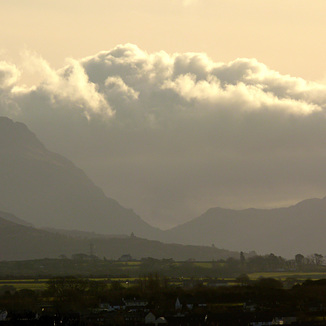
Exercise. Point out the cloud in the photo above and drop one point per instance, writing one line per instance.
(67, 86)
(171, 135)
(9, 75)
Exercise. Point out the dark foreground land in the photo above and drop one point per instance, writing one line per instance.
(160, 300)
(260, 290)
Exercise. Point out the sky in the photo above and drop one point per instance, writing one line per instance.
(174, 106)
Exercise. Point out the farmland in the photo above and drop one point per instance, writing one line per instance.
(40, 284)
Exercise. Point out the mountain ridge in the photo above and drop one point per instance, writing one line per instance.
(48, 190)
(284, 230)
(19, 242)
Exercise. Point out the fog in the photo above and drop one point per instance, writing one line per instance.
(171, 135)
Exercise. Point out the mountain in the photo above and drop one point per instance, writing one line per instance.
(13, 218)
(83, 234)
(19, 242)
(283, 231)
(48, 190)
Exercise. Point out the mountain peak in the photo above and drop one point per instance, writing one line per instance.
(48, 190)
(16, 136)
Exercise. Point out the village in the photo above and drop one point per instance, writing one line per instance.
(154, 300)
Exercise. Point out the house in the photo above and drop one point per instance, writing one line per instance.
(284, 321)
(106, 306)
(135, 303)
(133, 317)
(126, 257)
(261, 323)
(116, 305)
(178, 305)
(150, 318)
(3, 315)
(160, 321)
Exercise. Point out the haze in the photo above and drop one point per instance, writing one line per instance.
(173, 107)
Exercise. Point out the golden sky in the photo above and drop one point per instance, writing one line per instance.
(286, 35)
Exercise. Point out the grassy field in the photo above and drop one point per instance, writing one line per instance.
(40, 284)
(35, 285)
(204, 264)
(285, 275)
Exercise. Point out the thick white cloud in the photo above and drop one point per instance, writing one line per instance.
(172, 135)
(67, 86)
(9, 74)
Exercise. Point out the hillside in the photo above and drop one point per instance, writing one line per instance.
(19, 242)
(283, 231)
(48, 190)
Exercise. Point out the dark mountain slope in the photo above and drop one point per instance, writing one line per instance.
(19, 242)
(285, 231)
(48, 190)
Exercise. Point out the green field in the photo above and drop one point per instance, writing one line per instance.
(40, 284)
(285, 275)
(35, 285)
(204, 264)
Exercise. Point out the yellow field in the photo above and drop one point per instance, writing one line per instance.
(285, 275)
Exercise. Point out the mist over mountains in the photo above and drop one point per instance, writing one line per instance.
(43, 189)
(48, 190)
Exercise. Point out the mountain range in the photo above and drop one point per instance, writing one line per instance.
(284, 231)
(44, 189)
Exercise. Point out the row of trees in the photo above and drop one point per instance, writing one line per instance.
(230, 267)
(314, 259)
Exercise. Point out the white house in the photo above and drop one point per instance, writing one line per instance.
(178, 305)
(3, 315)
(160, 321)
(150, 318)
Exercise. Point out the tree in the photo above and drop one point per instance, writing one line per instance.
(318, 258)
(68, 292)
(299, 260)
(269, 283)
(243, 279)
(242, 259)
